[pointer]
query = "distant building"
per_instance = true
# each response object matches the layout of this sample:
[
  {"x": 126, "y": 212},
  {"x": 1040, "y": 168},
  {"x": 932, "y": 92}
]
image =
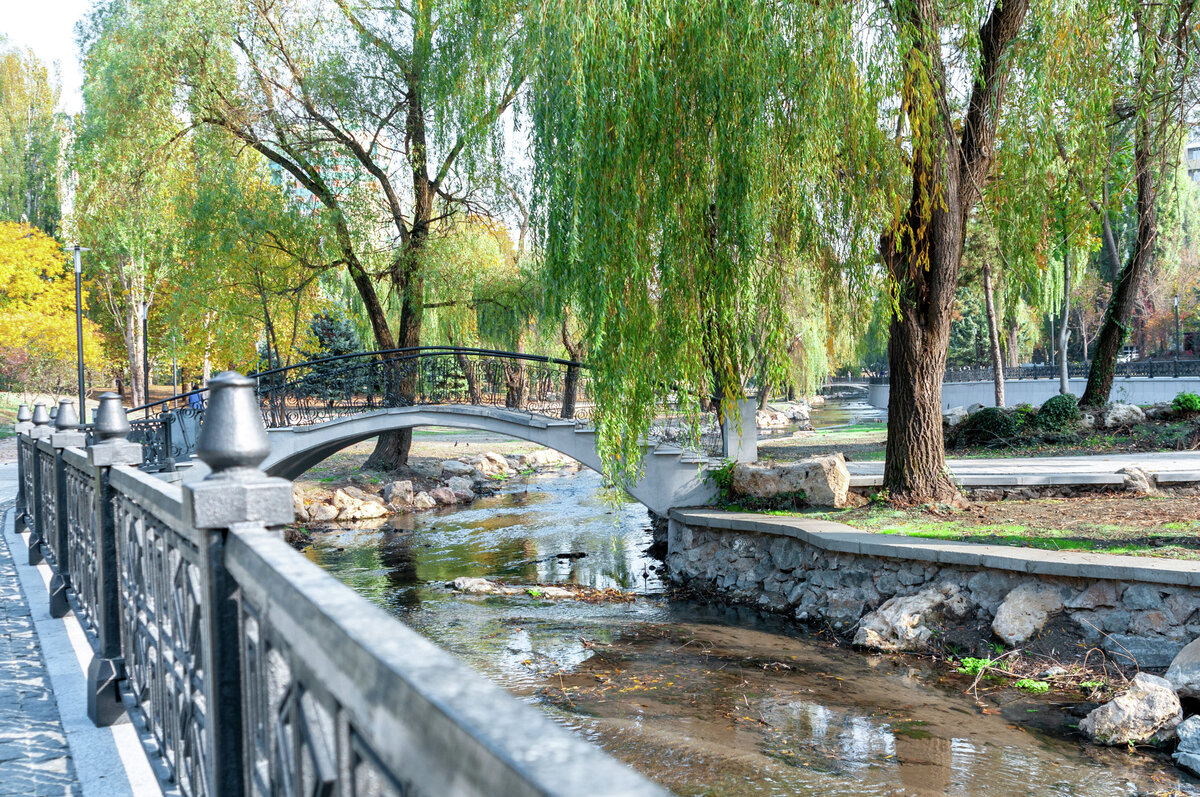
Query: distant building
[{"x": 1192, "y": 157}]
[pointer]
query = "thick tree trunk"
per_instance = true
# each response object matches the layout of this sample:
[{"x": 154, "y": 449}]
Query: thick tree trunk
[
  {"x": 993, "y": 334},
  {"x": 1064, "y": 328},
  {"x": 1012, "y": 341},
  {"x": 1129, "y": 282},
  {"x": 923, "y": 249}
]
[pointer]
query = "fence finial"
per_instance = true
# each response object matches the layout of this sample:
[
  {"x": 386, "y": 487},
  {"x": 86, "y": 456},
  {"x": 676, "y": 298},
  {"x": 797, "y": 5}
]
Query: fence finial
[
  {"x": 232, "y": 438},
  {"x": 40, "y": 416},
  {"x": 112, "y": 424},
  {"x": 233, "y": 442},
  {"x": 66, "y": 419},
  {"x": 23, "y": 414}
]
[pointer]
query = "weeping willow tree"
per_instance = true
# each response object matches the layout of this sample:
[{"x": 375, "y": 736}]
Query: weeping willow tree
[{"x": 690, "y": 158}]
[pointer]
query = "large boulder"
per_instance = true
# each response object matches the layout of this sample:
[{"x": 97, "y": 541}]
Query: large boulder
[
  {"x": 452, "y": 467},
  {"x": 458, "y": 483},
  {"x": 299, "y": 508},
  {"x": 908, "y": 622},
  {"x": 1024, "y": 612},
  {"x": 1184, "y": 672},
  {"x": 544, "y": 458},
  {"x": 352, "y": 507},
  {"x": 1118, "y": 414},
  {"x": 398, "y": 494},
  {"x": 1148, "y": 711},
  {"x": 824, "y": 480}
]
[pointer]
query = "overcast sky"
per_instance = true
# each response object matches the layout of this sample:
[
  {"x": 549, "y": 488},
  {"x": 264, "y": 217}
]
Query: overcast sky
[{"x": 48, "y": 28}]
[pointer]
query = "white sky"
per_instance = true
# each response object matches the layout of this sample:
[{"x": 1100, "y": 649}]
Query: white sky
[{"x": 48, "y": 28}]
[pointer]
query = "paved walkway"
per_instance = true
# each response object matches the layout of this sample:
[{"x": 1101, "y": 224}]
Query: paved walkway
[
  {"x": 1169, "y": 467},
  {"x": 34, "y": 757},
  {"x": 48, "y": 746}
]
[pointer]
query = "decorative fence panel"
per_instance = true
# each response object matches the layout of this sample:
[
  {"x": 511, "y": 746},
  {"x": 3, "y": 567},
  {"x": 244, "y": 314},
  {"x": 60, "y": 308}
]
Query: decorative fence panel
[
  {"x": 255, "y": 672},
  {"x": 80, "y": 483}
]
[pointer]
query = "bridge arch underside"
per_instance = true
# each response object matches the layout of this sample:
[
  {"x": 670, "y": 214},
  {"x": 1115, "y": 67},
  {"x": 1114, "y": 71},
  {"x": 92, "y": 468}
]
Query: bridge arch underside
[{"x": 667, "y": 482}]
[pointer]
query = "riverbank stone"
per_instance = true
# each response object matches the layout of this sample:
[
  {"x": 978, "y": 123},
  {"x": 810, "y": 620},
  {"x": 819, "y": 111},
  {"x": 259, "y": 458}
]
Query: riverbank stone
[
  {"x": 824, "y": 480},
  {"x": 1148, "y": 711},
  {"x": 1187, "y": 753},
  {"x": 904, "y": 622},
  {"x": 1152, "y": 652},
  {"x": 1184, "y": 672},
  {"x": 1024, "y": 612}
]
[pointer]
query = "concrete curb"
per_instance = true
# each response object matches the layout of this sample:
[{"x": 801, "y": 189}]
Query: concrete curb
[{"x": 840, "y": 538}]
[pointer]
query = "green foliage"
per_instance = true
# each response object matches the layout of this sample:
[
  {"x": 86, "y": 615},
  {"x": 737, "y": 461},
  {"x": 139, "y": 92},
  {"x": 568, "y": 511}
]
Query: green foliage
[
  {"x": 31, "y": 136},
  {"x": 1186, "y": 402},
  {"x": 973, "y": 666},
  {"x": 1059, "y": 412},
  {"x": 1025, "y": 415},
  {"x": 1030, "y": 685},
  {"x": 988, "y": 427},
  {"x": 730, "y": 182}
]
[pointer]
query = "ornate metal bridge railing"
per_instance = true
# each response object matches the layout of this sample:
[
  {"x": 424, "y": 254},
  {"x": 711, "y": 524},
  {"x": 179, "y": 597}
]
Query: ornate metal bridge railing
[
  {"x": 337, "y": 387},
  {"x": 253, "y": 671}
]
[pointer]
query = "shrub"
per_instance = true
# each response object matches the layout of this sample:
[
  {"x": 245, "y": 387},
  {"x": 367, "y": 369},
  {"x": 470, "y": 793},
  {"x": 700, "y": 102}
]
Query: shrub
[
  {"x": 1025, "y": 415},
  {"x": 1186, "y": 402},
  {"x": 987, "y": 427},
  {"x": 1059, "y": 412}
]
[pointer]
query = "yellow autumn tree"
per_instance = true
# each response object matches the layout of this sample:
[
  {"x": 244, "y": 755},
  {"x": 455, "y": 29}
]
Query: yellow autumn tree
[{"x": 37, "y": 314}]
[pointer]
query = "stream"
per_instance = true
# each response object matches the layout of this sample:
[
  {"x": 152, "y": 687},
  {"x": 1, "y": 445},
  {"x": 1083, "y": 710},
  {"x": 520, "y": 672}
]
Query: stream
[{"x": 707, "y": 699}]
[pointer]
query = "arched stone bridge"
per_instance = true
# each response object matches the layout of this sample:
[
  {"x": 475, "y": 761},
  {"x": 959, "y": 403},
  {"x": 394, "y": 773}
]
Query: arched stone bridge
[{"x": 315, "y": 409}]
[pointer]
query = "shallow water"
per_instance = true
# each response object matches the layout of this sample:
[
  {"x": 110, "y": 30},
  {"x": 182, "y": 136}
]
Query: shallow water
[{"x": 706, "y": 699}]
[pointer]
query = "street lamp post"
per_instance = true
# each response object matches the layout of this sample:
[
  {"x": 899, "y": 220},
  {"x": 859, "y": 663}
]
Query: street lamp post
[
  {"x": 1177, "y": 349},
  {"x": 79, "y": 323},
  {"x": 145, "y": 353}
]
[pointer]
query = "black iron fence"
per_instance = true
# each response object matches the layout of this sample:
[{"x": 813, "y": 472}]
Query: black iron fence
[
  {"x": 253, "y": 671},
  {"x": 1165, "y": 368},
  {"x": 336, "y": 387}
]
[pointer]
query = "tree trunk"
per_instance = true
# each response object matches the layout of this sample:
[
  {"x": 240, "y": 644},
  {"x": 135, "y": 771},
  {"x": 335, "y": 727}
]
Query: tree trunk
[
  {"x": 922, "y": 250},
  {"x": 1129, "y": 282},
  {"x": 1064, "y": 328},
  {"x": 993, "y": 335}
]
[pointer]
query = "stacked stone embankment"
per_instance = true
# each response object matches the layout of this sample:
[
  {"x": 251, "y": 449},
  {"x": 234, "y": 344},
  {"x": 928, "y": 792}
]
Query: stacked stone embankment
[{"x": 902, "y": 593}]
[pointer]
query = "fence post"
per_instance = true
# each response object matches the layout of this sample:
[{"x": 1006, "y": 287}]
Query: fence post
[
  {"x": 40, "y": 431},
  {"x": 107, "y": 668},
  {"x": 232, "y": 442},
  {"x": 23, "y": 427},
  {"x": 66, "y": 434},
  {"x": 739, "y": 433}
]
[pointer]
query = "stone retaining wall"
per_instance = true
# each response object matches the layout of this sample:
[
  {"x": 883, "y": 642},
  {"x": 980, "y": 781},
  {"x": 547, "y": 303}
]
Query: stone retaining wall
[{"x": 1139, "y": 610}]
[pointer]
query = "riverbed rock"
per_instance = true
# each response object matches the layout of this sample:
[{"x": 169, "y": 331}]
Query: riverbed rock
[
  {"x": 444, "y": 496},
  {"x": 459, "y": 484},
  {"x": 480, "y": 586},
  {"x": 1138, "y": 481},
  {"x": 1148, "y": 711},
  {"x": 491, "y": 464},
  {"x": 1118, "y": 414},
  {"x": 544, "y": 458},
  {"x": 799, "y": 412},
  {"x": 954, "y": 416},
  {"x": 398, "y": 494},
  {"x": 352, "y": 507},
  {"x": 824, "y": 480},
  {"x": 904, "y": 622},
  {"x": 1187, "y": 752},
  {"x": 299, "y": 508},
  {"x": 766, "y": 419},
  {"x": 423, "y": 500},
  {"x": 452, "y": 467},
  {"x": 1024, "y": 612},
  {"x": 322, "y": 513},
  {"x": 974, "y": 408},
  {"x": 1184, "y": 672},
  {"x": 430, "y": 470}
]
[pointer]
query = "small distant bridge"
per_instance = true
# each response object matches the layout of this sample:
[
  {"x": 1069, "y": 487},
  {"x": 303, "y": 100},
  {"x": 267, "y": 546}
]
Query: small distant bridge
[{"x": 314, "y": 409}]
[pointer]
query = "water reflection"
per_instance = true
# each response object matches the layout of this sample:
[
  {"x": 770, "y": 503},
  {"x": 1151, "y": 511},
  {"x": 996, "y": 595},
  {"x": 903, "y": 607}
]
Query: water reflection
[{"x": 704, "y": 698}]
